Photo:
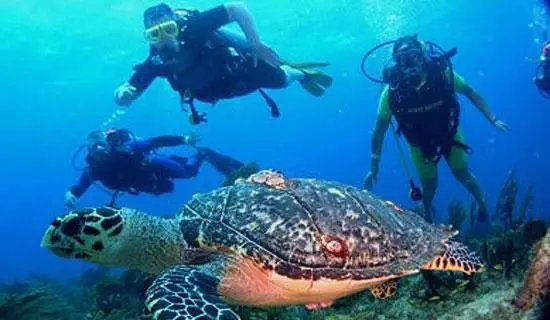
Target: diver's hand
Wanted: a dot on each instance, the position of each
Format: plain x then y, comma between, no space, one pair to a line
192,139
125,94
265,53
70,200
500,125
370,180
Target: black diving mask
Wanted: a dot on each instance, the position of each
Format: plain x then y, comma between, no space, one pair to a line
410,61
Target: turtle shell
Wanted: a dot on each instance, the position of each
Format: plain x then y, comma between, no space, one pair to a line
308,229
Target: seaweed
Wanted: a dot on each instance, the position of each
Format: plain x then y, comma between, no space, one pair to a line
35,304
507,201
457,215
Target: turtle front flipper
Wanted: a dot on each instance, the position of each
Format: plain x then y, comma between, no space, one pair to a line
386,289
457,257
184,292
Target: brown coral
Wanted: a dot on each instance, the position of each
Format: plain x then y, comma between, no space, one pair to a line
537,281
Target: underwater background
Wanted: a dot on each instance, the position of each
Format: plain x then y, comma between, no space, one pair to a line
62,59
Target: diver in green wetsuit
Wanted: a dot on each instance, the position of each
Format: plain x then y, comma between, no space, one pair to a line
421,95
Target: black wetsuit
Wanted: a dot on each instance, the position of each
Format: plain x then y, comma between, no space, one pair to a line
211,64
134,168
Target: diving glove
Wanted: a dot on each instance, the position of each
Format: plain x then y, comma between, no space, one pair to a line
125,94
370,180
70,200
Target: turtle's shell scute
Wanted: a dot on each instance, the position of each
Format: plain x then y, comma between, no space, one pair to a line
312,228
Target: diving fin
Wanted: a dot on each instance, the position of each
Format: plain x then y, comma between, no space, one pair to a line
307,65
315,82
320,78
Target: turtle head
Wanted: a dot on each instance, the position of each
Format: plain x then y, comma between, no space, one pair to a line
116,238
85,234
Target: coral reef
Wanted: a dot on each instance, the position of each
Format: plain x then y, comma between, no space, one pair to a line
527,206
507,201
537,280
458,213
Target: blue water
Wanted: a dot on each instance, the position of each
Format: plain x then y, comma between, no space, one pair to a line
61,61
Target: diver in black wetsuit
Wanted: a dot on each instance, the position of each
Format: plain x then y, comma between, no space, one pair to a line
123,163
205,63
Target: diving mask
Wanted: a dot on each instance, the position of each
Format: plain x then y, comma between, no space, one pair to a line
410,61
164,31
98,149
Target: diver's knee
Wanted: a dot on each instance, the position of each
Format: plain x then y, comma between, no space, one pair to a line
429,185
194,171
462,173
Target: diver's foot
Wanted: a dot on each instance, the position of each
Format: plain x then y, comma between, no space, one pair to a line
321,305
242,173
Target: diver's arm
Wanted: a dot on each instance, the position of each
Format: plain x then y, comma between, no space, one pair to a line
463,88
82,185
144,75
206,22
137,84
238,12
377,141
158,142
382,124
477,100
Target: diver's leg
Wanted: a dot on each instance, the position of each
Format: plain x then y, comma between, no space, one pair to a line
224,164
428,178
270,77
267,76
292,74
458,161
177,167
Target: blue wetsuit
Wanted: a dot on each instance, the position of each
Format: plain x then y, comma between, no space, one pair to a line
135,168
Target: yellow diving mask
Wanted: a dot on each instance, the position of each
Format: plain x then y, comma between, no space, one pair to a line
164,31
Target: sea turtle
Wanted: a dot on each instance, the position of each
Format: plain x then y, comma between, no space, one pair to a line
265,241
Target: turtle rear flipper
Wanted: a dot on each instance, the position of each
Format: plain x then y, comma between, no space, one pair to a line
457,257
385,290
183,292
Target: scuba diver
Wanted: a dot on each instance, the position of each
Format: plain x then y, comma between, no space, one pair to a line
123,163
420,93
205,63
542,78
